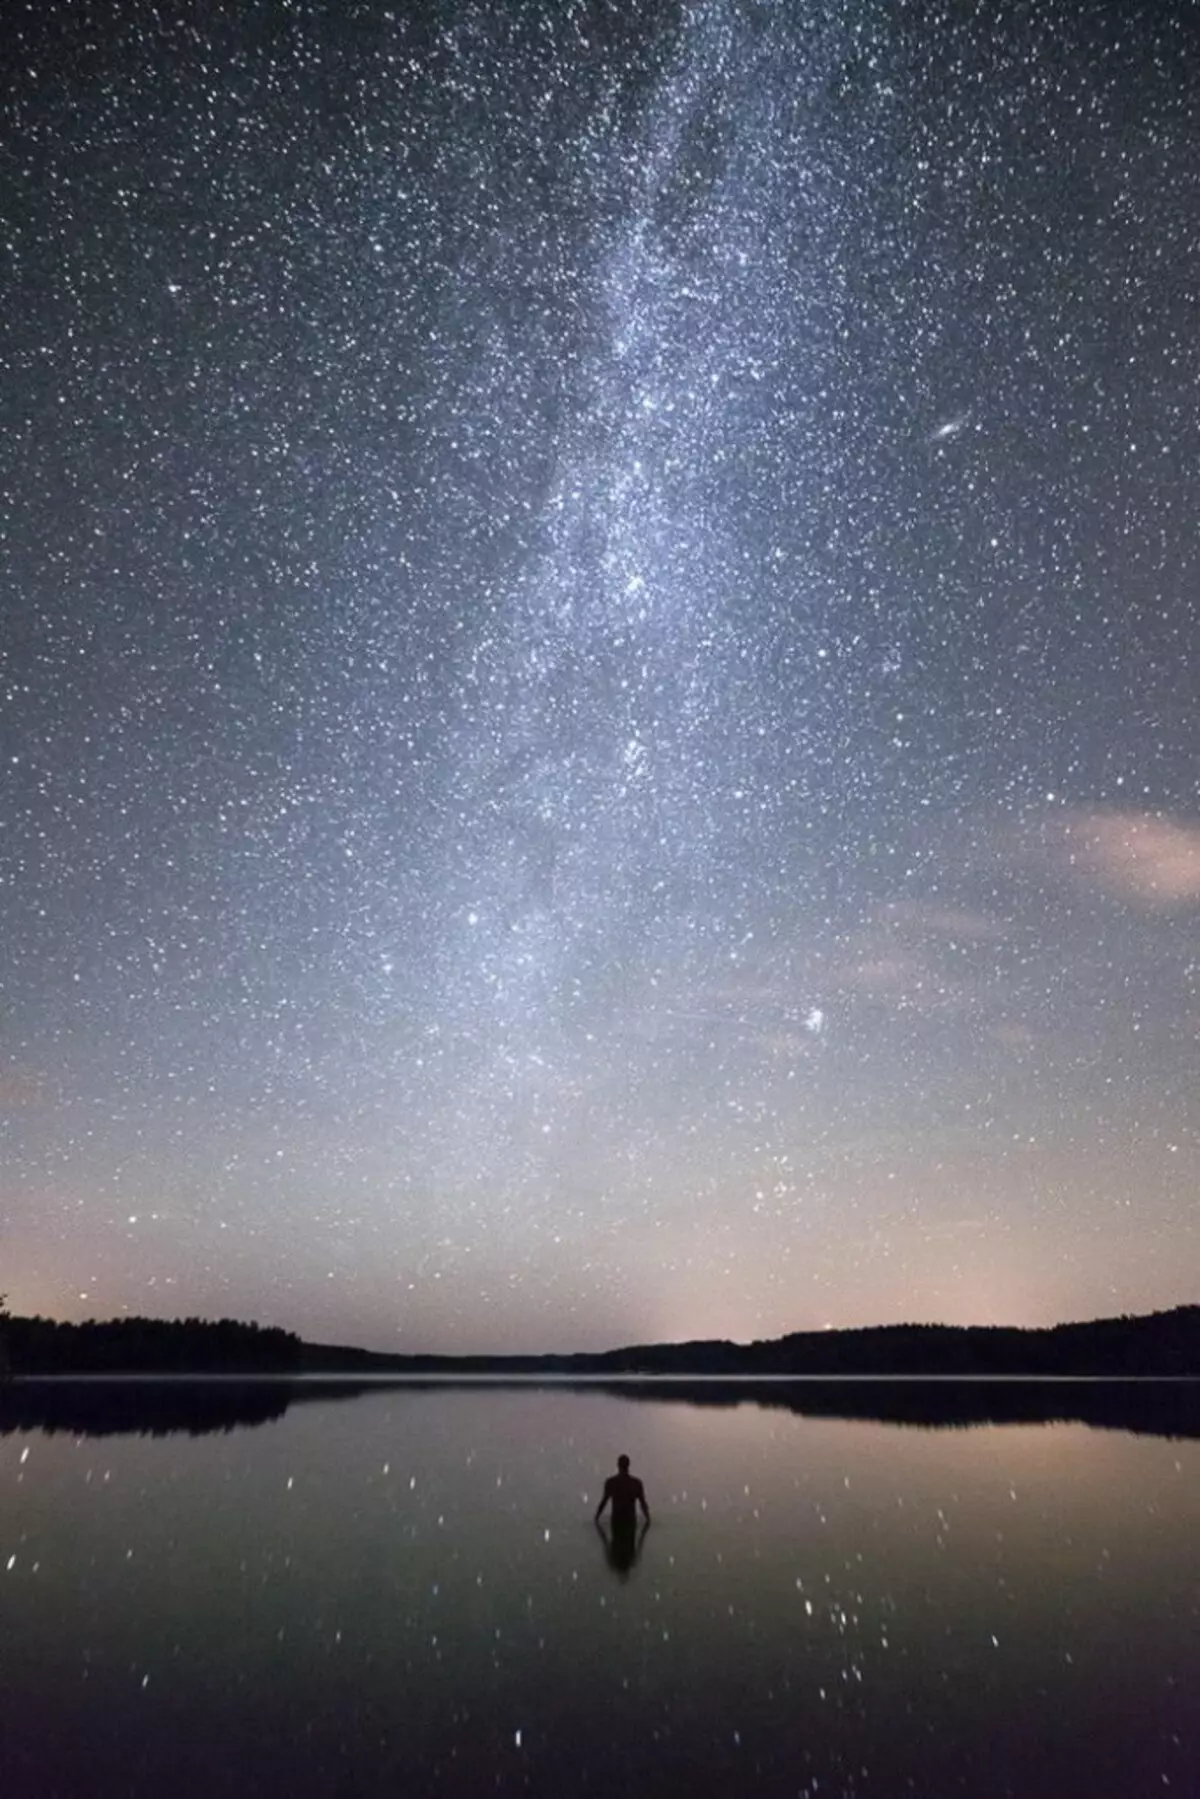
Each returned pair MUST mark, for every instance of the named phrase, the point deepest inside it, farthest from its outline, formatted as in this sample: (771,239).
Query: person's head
(623,1463)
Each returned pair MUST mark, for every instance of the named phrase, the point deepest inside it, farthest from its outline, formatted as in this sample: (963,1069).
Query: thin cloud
(959,924)
(883,974)
(900,981)
(24,1089)
(1141,857)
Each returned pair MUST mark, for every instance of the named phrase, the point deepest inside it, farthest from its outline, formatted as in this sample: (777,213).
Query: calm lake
(403,1592)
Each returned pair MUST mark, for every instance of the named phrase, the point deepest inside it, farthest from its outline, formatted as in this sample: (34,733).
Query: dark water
(404,1593)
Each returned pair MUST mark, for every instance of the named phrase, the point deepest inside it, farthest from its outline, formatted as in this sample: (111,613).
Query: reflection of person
(624,1492)
(622,1545)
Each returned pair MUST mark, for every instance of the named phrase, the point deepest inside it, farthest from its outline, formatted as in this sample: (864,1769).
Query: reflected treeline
(162,1406)
(140,1407)
(1160,1408)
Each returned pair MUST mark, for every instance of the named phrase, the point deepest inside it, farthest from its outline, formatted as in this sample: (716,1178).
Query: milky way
(598,667)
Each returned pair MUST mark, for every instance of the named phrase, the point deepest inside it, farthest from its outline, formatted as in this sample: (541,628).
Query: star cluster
(597,666)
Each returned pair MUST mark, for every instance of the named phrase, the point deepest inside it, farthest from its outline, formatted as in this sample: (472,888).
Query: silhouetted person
(624,1492)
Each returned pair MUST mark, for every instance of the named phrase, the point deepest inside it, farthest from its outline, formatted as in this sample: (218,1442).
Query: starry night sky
(598,665)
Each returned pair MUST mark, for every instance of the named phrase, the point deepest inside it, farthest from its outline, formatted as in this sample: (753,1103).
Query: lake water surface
(404,1593)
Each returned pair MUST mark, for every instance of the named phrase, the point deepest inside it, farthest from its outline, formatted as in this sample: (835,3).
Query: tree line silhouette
(146,1346)
(1158,1344)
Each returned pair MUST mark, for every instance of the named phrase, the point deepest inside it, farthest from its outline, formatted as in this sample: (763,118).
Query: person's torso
(624,1490)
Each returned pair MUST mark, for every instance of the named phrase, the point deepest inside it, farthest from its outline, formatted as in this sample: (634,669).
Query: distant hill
(1158,1344)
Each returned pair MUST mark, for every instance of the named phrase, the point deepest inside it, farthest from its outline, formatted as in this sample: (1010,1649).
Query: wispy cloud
(906,957)
(1143,857)
(23,1089)
(1014,1034)
(958,924)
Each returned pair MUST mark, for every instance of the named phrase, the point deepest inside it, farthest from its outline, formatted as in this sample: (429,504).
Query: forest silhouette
(1154,1345)
(147,1345)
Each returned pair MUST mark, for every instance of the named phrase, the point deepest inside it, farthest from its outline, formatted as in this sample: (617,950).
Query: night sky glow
(598,665)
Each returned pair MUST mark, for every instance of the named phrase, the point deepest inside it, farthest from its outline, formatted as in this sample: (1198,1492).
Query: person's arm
(642,1502)
(603,1503)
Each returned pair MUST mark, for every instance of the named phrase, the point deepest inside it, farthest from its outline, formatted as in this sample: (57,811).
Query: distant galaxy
(598,666)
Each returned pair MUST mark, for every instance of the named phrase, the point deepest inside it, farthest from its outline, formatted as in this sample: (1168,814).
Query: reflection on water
(140,1407)
(622,1544)
(406,1593)
(159,1405)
